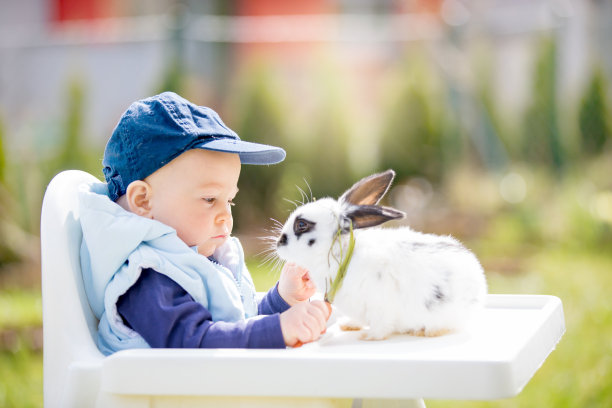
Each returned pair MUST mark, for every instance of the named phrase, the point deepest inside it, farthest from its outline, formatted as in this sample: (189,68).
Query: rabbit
(397,280)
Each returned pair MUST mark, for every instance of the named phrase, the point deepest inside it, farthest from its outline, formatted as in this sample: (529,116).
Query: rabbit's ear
(369,190)
(364,216)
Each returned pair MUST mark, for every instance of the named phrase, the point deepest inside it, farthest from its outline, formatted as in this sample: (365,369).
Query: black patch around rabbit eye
(301,226)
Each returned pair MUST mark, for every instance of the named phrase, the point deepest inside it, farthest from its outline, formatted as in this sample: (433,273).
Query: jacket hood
(114,233)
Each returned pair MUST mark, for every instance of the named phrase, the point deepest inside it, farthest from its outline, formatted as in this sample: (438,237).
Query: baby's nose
(224,215)
(282,240)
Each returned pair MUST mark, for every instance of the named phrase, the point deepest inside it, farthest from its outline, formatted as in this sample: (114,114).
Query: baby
(160,266)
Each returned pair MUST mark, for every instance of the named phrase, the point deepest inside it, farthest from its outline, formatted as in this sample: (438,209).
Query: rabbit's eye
(301,226)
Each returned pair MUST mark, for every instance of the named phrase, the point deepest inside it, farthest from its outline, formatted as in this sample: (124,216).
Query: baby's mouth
(223,235)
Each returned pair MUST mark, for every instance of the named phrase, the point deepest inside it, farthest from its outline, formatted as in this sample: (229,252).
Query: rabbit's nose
(282,240)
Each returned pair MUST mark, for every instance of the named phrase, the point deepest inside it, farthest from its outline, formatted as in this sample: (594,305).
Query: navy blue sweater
(166,316)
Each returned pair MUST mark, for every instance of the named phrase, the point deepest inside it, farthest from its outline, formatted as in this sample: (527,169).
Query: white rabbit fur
(398,280)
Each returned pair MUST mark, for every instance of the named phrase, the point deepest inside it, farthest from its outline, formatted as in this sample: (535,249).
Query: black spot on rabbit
(437,298)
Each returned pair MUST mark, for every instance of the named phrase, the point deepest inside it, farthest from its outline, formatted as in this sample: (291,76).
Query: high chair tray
(493,358)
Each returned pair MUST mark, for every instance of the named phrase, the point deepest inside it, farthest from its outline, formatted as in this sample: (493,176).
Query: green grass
(21,378)
(20,308)
(20,360)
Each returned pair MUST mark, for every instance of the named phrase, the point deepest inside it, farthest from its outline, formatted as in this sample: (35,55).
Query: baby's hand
(295,285)
(304,322)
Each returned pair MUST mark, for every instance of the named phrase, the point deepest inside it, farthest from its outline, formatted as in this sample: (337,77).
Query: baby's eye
(209,200)
(231,203)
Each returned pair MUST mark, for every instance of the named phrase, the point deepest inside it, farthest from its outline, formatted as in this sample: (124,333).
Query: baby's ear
(138,195)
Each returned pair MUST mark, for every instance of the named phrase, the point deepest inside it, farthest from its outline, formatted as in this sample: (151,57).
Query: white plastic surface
(493,359)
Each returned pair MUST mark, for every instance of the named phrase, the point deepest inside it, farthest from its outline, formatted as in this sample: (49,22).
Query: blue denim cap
(154,131)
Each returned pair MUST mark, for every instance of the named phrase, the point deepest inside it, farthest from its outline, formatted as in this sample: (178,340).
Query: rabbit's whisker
(310,190)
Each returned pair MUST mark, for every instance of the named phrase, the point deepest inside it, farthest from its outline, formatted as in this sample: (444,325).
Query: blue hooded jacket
(117,245)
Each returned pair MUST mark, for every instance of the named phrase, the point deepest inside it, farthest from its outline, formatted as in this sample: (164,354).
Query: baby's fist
(295,285)
(304,322)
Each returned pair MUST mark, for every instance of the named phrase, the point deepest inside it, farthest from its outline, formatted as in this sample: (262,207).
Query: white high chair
(494,358)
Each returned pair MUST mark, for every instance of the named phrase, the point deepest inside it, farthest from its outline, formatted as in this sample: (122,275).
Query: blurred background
(496,116)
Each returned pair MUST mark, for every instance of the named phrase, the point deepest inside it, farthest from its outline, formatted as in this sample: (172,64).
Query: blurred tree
(71,153)
(7,254)
(34,171)
(2,155)
(23,186)
(542,137)
(172,80)
(413,133)
(593,120)
(327,153)
(490,131)
(259,116)
(174,74)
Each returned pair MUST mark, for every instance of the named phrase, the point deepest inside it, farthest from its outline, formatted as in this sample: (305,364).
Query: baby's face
(194,194)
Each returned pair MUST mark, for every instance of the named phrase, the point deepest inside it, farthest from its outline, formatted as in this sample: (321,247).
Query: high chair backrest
(69,325)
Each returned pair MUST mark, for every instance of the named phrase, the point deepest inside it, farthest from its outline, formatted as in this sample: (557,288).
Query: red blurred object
(70,10)
(283,7)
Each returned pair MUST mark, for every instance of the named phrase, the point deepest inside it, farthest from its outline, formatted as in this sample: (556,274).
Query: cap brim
(250,153)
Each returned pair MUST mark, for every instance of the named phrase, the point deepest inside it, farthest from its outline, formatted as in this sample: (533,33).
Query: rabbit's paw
(436,332)
(350,326)
(423,332)
(374,335)
(416,332)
